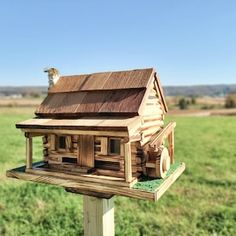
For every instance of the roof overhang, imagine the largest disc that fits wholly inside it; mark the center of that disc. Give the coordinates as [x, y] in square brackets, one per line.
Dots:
[126, 126]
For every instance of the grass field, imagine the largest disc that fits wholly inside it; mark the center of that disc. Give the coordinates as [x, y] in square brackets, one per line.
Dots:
[201, 202]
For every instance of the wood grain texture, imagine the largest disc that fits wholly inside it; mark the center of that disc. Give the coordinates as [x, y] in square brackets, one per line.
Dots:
[83, 177]
[171, 141]
[128, 162]
[99, 188]
[104, 81]
[29, 152]
[157, 139]
[109, 102]
[160, 92]
[89, 193]
[86, 150]
[98, 216]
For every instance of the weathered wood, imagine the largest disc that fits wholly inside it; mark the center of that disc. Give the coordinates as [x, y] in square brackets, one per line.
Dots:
[128, 163]
[111, 158]
[171, 147]
[53, 142]
[152, 117]
[68, 143]
[78, 132]
[90, 178]
[151, 131]
[103, 145]
[86, 149]
[158, 168]
[158, 138]
[89, 193]
[69, 168]
[98, 216]
[160, 93]
[62, 154]
[123, 102]
[29, 153]
[96, 187]
[114, 80]
[152, 124]
[54, 159]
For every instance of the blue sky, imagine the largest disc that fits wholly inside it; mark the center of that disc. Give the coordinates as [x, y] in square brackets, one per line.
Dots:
[188, 42]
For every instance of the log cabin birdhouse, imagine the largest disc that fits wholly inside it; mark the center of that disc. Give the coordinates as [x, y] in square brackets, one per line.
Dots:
[105, 133]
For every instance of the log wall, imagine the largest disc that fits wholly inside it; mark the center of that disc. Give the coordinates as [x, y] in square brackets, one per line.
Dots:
[153, 115]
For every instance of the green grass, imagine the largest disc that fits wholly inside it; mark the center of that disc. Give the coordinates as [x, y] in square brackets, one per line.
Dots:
[150, 184]
[201, 202]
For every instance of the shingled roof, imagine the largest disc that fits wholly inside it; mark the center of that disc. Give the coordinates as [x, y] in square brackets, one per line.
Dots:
[98, 94]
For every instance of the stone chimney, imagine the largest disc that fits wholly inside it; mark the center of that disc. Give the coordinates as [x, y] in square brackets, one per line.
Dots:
[53, 76]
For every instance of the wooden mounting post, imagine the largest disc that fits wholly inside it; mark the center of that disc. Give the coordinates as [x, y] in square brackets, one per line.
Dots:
[98, 216]
[29, 152]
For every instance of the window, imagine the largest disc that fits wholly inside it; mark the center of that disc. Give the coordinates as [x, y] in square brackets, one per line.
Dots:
[114, 146]
[69, 160]
[62, 142]
[101, 145]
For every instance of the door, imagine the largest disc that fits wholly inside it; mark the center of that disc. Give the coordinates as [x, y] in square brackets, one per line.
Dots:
[86, 150]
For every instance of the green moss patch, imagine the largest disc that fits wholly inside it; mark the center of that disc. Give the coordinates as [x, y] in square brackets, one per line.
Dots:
[150, 184]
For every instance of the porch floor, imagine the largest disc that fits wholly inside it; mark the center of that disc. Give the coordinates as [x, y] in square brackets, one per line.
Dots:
[100, 186]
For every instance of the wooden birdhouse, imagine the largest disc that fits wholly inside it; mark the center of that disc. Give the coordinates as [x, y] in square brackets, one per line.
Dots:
[103, 134]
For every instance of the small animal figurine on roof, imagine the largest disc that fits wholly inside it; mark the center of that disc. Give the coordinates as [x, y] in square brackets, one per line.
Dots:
[105, 133]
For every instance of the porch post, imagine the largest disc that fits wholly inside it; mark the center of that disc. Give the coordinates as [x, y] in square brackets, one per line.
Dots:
[128, 162]
[171, 140]
[29, 151]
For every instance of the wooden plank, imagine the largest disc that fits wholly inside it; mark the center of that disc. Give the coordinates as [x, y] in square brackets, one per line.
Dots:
[32, 135]
[98, 216]
[62, 154]
[138, 78]
[106, 122]
[78, 132]
[54, 159]
[168, 182]
[171, 141]
[148, 110]
[68, 143]
[156, 123]
[97, 187]
[159, 89]
[79, 176]
[53, 142]
[152, 117]
[158, 138]
[93, 103]
[149, 132]
[89, 193]
[29, 153]
[86, 147]
[103, 144]
[110, 158]
[128, 163]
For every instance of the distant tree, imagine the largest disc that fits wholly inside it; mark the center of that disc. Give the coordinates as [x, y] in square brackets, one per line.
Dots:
[34, 94]
[193, 100]
[183, 104]
[230, 101]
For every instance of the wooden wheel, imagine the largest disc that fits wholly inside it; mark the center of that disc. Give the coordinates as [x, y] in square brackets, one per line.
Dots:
[166, 161]
[162, 163]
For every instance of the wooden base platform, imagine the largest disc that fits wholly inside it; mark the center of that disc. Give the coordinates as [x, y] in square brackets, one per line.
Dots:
[41, 168]
[147, 189]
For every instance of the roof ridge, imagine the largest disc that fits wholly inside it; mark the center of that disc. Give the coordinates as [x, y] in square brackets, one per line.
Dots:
[114, 71]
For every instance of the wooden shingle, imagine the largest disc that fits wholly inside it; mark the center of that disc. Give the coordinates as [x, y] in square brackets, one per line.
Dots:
[103, 81]
[118, 102]
[119, 93]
